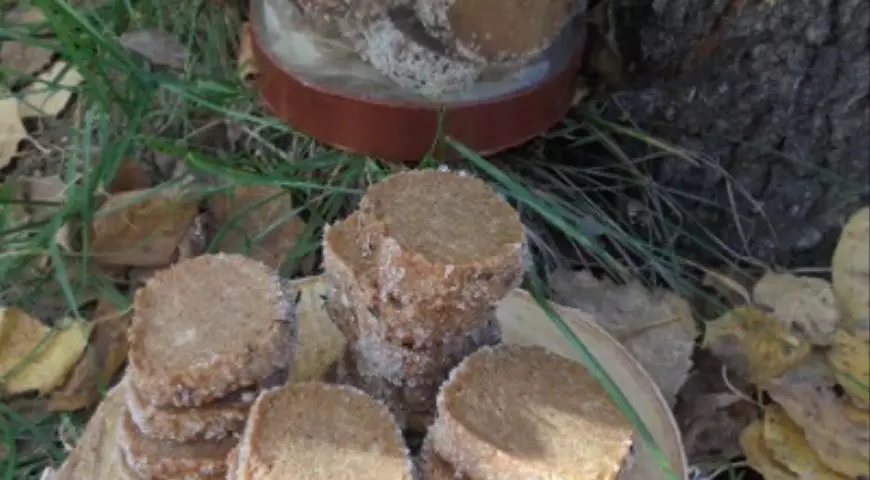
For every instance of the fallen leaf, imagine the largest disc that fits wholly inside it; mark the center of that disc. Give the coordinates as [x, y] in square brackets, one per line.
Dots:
[757, 456]
[850, 357]
[160, 48]
[141, 228]
[850, 270]
[23, 59]
[657, 327]
[24, 17]
[805, 306]
[711, 413]
[103, 358]
[12, 130]
[245, 60]
[320, 344]
[49, 94]
[242, 215]
[785, 442]
[835, 429]
[129, 176]
[34, 357]
[754, 344]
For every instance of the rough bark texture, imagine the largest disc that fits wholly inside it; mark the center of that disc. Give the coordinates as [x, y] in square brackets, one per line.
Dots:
[775, 92]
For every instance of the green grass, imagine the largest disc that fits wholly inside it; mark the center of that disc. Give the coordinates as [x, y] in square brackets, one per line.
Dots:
[134, 110]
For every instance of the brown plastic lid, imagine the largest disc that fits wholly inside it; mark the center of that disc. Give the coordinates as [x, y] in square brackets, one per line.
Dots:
[405, 131]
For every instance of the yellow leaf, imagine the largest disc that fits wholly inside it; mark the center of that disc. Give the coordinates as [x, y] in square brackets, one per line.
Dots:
[850, 270]
[32, 356]
[755, 343]
[50, 93]
[835, 429]
[103, 358]
[786, 444]
[757, 456]
[805, 306]
[321, 344]
[12, 130]
[141, 228]
[850, 357]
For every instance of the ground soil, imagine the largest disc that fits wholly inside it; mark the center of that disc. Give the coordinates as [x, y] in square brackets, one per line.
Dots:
[775, 92]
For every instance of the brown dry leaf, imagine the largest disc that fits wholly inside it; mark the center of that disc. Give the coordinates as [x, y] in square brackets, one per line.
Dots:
[24, 17]
[23, 59]
[32, 356]
[850, 357]
[129, 176]
[245, 59]
[103, 358]
[160, 48]
[12, 130]
[754, 344]
[835, 429]
[320, 344]
[141, 228]
[806, 306]
[49, 94]
[657, 327]
[850, 270]
[785, 442]
[711, 414]
[95, 456]
[242, 215]
[757, 456]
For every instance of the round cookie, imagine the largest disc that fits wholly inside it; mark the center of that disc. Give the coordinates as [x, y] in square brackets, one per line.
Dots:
[496, 31]
[322, 431]
[209, 326]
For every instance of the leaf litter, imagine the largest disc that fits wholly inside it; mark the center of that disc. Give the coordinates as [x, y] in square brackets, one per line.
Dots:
[805, 342]
[657, 327]
[255, 220]
[141, 228]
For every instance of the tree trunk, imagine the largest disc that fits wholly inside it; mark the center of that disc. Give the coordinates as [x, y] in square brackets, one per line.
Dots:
[775, 94]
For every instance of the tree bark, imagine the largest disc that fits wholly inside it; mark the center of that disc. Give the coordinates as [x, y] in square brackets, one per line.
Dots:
[775, 94]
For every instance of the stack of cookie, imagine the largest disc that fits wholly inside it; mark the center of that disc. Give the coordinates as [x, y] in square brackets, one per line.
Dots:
[207, 335]
[414, 277]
